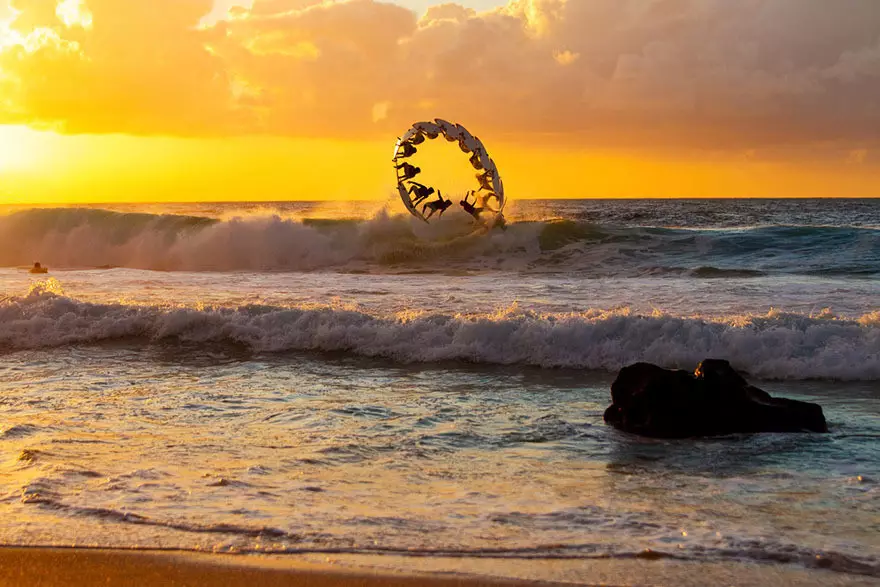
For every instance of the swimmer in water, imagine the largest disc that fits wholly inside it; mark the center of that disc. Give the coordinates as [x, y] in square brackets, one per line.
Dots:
[37, 268]
[438, 205]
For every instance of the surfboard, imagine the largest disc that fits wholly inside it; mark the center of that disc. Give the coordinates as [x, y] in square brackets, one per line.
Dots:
[467, 142]
[401, 189]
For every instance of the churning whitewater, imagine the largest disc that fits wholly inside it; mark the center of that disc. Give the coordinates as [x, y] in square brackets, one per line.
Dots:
[597, 286]
[343, 378]
[94, 238]
[777, 345]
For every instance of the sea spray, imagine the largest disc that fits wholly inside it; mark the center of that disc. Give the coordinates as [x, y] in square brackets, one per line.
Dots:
[84, 238]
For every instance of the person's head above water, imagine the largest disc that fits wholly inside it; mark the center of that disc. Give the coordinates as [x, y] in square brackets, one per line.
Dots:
[37, 265]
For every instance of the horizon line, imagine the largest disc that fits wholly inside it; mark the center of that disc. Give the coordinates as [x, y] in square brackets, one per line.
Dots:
[573, 199]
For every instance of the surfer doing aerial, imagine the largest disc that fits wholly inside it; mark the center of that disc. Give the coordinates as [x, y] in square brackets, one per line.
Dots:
[438, 205]
[408, 151]
[431, 130]
[480, 160]
[478, 206]
[409, 171]
[422, 192]
[415, 195]
[485, 179]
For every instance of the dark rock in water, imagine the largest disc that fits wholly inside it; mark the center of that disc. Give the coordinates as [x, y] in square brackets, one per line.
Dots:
[714, 400]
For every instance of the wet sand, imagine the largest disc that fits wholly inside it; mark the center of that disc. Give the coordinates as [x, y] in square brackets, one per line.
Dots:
[39, 567]
[73, 567]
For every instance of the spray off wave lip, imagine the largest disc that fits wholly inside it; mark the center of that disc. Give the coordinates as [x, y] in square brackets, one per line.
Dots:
[89, 238]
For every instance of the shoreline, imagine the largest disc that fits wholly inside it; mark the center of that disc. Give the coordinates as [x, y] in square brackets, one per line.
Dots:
[51, 567]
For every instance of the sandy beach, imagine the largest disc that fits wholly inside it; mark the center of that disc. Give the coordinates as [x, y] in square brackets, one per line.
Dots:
[41, 567]
[48, 567]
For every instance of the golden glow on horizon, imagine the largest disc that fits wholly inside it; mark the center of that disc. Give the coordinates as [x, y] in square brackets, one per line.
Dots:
[18, 147]
[163, 102]
[40, 167]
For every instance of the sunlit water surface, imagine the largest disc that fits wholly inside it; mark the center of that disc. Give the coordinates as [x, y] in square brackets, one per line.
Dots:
[435, 407]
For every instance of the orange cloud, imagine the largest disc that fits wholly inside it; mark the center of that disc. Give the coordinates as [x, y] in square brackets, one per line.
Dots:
[661, 74]
[136, 67]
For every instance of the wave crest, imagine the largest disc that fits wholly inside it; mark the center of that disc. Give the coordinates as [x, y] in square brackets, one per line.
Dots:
[71, 237]
[772, 346]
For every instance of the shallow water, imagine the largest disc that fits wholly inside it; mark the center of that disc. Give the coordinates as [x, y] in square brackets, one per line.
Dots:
[434, 407]
[186, 447]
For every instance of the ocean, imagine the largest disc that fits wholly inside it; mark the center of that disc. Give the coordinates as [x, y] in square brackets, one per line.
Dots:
[341, 378]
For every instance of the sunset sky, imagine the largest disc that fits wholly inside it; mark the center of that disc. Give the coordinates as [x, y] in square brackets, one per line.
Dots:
[132, 100]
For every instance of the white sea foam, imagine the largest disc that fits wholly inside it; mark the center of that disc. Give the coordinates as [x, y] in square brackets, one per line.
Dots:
[62, 238]
[776, 345]
[65, 238]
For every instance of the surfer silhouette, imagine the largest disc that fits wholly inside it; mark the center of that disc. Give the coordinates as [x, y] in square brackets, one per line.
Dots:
[422, 200]
[471, 209]
[479, 159]
[422, 192]
[429, 129]
[467, 142]
[483, 200]
[37, 268]
[485, 179]
[406, 150]
[438, 205]
[409, 171]
[480, 203]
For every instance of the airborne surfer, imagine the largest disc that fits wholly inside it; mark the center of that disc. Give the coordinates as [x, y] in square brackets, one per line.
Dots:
[467, 142]
[431, 130]
[485, 179]
[409, 171]
[479, 160]
[408, 150]
[423, 201]
[479, 205]
[439, 205]
[451, 131]
[422, 192]
[471, 209]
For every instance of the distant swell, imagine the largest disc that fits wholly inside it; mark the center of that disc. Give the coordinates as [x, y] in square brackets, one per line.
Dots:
[776, 345]
[90, 238]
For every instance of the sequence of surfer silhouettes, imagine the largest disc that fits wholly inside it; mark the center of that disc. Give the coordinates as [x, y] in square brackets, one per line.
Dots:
[491, 189]
[414, 193]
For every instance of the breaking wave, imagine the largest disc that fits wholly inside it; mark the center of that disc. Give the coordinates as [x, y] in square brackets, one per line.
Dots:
[772, 346]
[80, 238]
